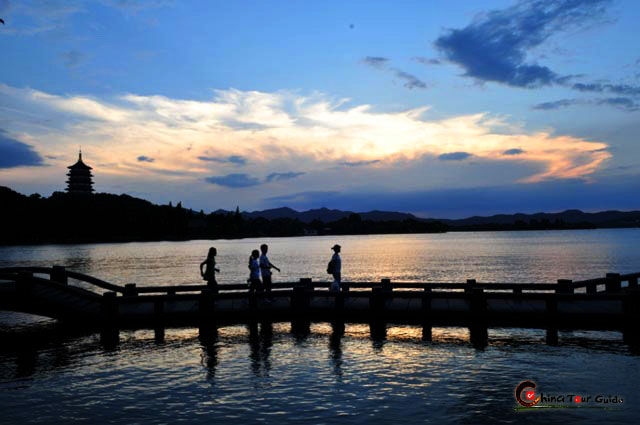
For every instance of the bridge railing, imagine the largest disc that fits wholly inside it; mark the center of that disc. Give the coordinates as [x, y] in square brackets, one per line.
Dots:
[612, 282]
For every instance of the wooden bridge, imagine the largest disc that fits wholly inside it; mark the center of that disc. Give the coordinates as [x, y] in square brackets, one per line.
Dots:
[608, 303]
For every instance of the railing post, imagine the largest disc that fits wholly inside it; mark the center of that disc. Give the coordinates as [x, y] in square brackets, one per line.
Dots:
[345, 286]
[633, 282]
[592, 288]
[376, 302]
[206, 311]
[470, 284]
[613, 283]
[130, 290]
[386, 285]
[564, 286]
[158, 319]
[59, 274]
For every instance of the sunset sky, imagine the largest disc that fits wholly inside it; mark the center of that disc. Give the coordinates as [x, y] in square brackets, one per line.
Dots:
[440, 108]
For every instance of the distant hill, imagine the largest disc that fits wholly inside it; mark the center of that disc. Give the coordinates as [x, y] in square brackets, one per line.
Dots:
[326, 215]
[569, 218]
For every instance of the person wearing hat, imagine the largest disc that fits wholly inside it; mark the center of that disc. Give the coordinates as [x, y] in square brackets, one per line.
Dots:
[336, 268]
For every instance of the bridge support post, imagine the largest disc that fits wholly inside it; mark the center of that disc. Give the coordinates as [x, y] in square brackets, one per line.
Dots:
[614, 283]
[478, 332]
[59, 274]
[109, 332]
[631, 327]
[300, 303]
[470, 285]
[386, 285]
[633, 282]
[24, 284]
[206, 314]
[552, 319]
[158, 320]
[427, 322]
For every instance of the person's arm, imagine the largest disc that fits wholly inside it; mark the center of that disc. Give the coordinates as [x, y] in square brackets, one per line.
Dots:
[201, 265]
[273, 266]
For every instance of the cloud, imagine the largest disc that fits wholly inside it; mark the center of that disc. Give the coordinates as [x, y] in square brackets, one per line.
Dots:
[515, 151]
[380, 63]
[359, 163]
[231, 159]
[73, 58]
[427, 61]
[234, 180]
[143, 158]
[375, 61]
[283, 176]
[494, 47]
[14, 153]
[622, 103]
[454, 156]
[621, 89]
[562, 103]
[610, 193]
[411, 81]
[311, 132]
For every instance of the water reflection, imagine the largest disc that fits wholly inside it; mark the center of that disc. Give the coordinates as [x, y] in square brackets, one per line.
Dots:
[335, 348]
[260, 343]
[209, 345]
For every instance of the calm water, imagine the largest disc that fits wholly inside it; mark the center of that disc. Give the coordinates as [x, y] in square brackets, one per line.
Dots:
[50, 374]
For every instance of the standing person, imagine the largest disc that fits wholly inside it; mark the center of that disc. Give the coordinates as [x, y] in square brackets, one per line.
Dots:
[208, 269]
[254, 272]
[265, 268]
[335, 268]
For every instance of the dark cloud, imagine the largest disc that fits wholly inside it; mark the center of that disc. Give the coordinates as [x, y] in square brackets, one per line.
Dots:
[563, 103]
[621, 89]
[427, 61]
[411, 81]
[359, 163]
[143, 158]
[623, 103]
[375, 61]
[14, 153]
[234, 180]
[515, 151]
[495, 45]
[73, 58]
[283, 176]
[233, 159]
[619, 192]
[454, 156]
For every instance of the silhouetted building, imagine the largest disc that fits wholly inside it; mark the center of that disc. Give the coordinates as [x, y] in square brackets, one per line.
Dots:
[80, 177]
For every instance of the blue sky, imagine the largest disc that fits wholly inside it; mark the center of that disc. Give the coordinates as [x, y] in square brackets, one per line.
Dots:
[443, 109]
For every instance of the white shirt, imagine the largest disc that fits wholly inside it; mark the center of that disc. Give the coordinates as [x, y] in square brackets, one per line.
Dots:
[265, 268]
[337, 268]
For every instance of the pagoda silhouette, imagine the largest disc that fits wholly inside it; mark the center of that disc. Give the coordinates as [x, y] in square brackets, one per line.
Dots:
[80, 177]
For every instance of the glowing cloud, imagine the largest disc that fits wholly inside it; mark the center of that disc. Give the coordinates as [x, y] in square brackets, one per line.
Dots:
[282, 129]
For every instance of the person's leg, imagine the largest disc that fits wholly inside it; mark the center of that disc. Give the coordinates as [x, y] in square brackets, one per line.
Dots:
[213, 285]
[266, 282]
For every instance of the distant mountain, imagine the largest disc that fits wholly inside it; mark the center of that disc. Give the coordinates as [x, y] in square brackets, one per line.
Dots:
[568, 217]
[326, 215]
[565, 219]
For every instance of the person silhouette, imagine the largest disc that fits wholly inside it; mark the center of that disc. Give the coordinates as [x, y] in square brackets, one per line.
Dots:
[254, 272]
[265, 267]
[208, 269]
[335, 268]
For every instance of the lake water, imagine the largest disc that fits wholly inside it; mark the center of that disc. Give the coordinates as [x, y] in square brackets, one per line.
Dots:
[266, 373]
